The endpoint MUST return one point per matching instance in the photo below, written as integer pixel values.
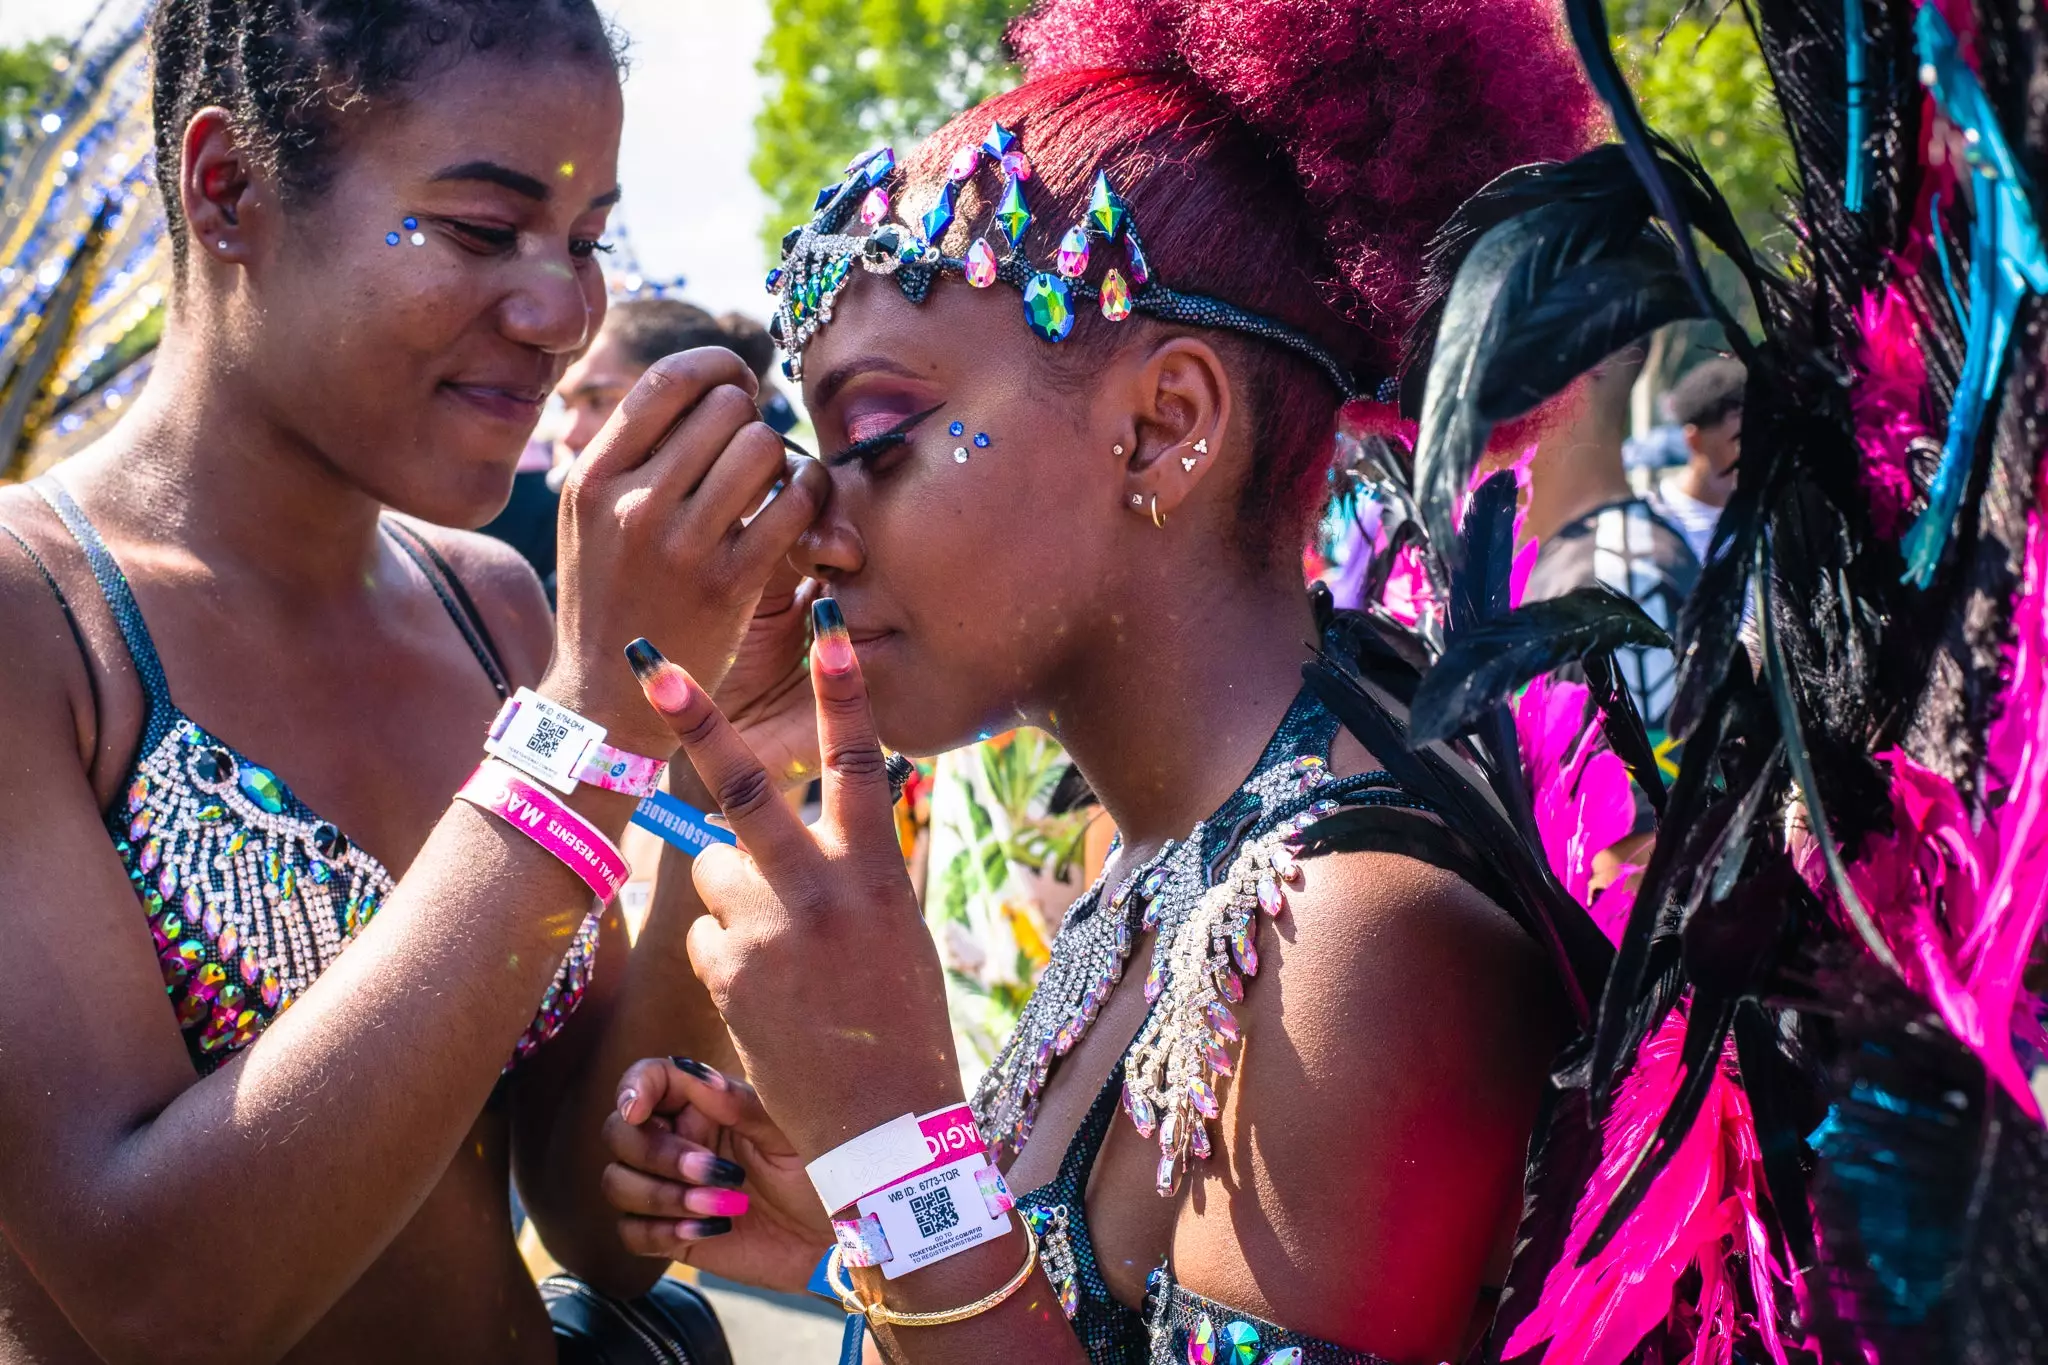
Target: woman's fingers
(664, 1154)
(857, 805)
(642, 1195)
(766, 541)
(671, 388)
(669, 1239)
(752, 804)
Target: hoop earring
(1155, 513)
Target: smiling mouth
(505, 403)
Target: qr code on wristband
(934, 1212)
(548, 734)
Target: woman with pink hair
(1272, 1099)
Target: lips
(518, 404)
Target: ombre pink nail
(716, 1203)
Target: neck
(1577, 469)
(1697, 483)
(205, 470)
(1167, 722)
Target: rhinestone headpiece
(852, 222)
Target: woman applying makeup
(283, 1020)
(1263, 1106)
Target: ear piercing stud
(1187, 462)
(1137, 501)
(1202, 446)
(1116, 450)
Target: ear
(218, 186)
(1180, 411)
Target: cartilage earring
(1137, 500)
(1202, 446)
(1187, 463)
(1155, 513)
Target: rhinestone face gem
(964, 164)
(874, 208)
(1049, 307)
(981, 264)
(1073, 257)
(956, 428)
(1242, 1341)
(261, 786)
(1000, 141)
(1202, 1342)
(1106, 207)
(1116, 296)
(1013, 215)
(981, 439)
(940, 216)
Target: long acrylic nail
(702, 1168)
(697, 1229)
(835, 649)
(666, 685)
(715, 1202)
(690, 1066)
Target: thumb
(857, 801)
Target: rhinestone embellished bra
(250, 894)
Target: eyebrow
(520, 183)
(840, 377)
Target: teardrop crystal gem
(1221, 1020)
(1231, 987)
(875, 207)
(1245, 950)
(1140, 1110)
(1219, 1060)
(1141, 269)
(1198, 1141)
(1016, 165)
(261, 786)
(981, 264)
(1116, 296)
(1073, 257)
(964, 164)
(138, 792)
(1270, 899)
(1202, 1341)
(1155, 981)
(1049, 307)
(1286, 1355)
(1286, 866)
(1204, 1099)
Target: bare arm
(315, 1147)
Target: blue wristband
(680, 823)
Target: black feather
(1485, 663)
(1622, 724)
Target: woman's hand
(814, 949)
(767, 691)
(682, 1139)
(660, 536)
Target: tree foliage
(25, 73)
(844, 75)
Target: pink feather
(1887, 403)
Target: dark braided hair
(286, 68)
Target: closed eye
(880, 443)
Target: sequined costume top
(1291, 787)
(249, 893)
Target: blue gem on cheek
(981, 439)
(391, 239)
(412, 224)
(956, 428)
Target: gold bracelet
(880, 1314)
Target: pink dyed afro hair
(1392, 112)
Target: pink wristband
(576, 843)
(615, 770)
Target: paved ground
(775, 1329)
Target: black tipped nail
(729, 1173)
(826, 616)
(645, 658)
(699, 1228)
(900, 770)
(690, 1066)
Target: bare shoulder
(507, 594)
(46, 673)
(1396, 1042)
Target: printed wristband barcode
(951, 1202)
(574, 841)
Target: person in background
(1707, 405)
(1594, 529)
(636, 333)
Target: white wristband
(880, 1156)
(542, 739)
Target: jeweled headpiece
(818, 260)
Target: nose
(832, 548)
(555, 309)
